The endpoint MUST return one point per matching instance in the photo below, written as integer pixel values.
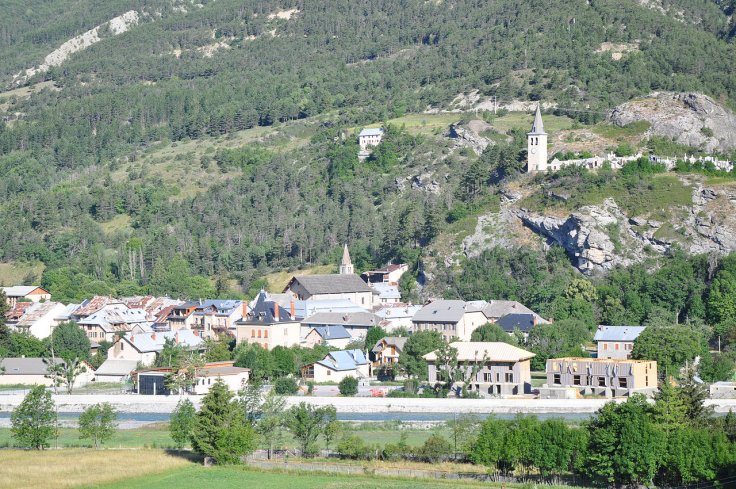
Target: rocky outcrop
(114, 26)
(468, 135)
(691, 119)
(591, 236)
(600, 237)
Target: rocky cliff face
(691, 119)
(600, 237)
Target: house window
(623, 383)
(122, 346)
(329, 372)
(605, 346)
(556, 379)
(259, 333)
(509, 377)
(487, 377)
(601, 381)
(617, 345)
(265, 334)
(252, 333)
(576, 380)
(498, 377)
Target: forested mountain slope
(221, 132)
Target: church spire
(346, 267)
(538, 126)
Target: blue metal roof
(618, 333)
(344, 360)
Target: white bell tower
(346, 266)
(536, 145)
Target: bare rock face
(591, 236)
(691, 119)
(468, 135)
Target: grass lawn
(196, 477)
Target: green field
(197, 477)
(157, 436)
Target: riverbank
(133, 403)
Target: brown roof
(93, 305)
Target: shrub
(353, 446)
(285, 386)
(348, 386)
(436, 449)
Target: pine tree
(220, 430)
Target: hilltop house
(337, 365)
(25, 293)
(601, 376)
(356, 323)
(268, 325)
(500, 369)
(144, 347)
(368, 137)
(616, 341)
(40, 318)
(335, 336)
(451, 318)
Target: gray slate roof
(145, 342)
(330, 284)
(618, 333)
(342, 318)
(116, 367)
(19, 290)
(499, 309)
(264, 312)
(26, 366)
(333, 332)
(441, 311)
(371, 131)
(538, 126)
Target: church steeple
(346, 267)
(538, 125)
(537, 145)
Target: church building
(537, 145)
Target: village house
(524, 323)
(40, 318)
(387, 350)
(385, 294)
(453, 319)
(397, 315)
(143, 348)
(112, 320)
(344, 285)
(495, 310)
(390, 274)
(112, 371)
(90, 306)
(304, 309)
(25, 293)
(356, 323)
(601, 376)
(616, 341)
(500, 369)
(151, 304)
(216, 317)
(268, 325)
(35, 371)
(337, 365)
(152, 382)
(334, 336)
